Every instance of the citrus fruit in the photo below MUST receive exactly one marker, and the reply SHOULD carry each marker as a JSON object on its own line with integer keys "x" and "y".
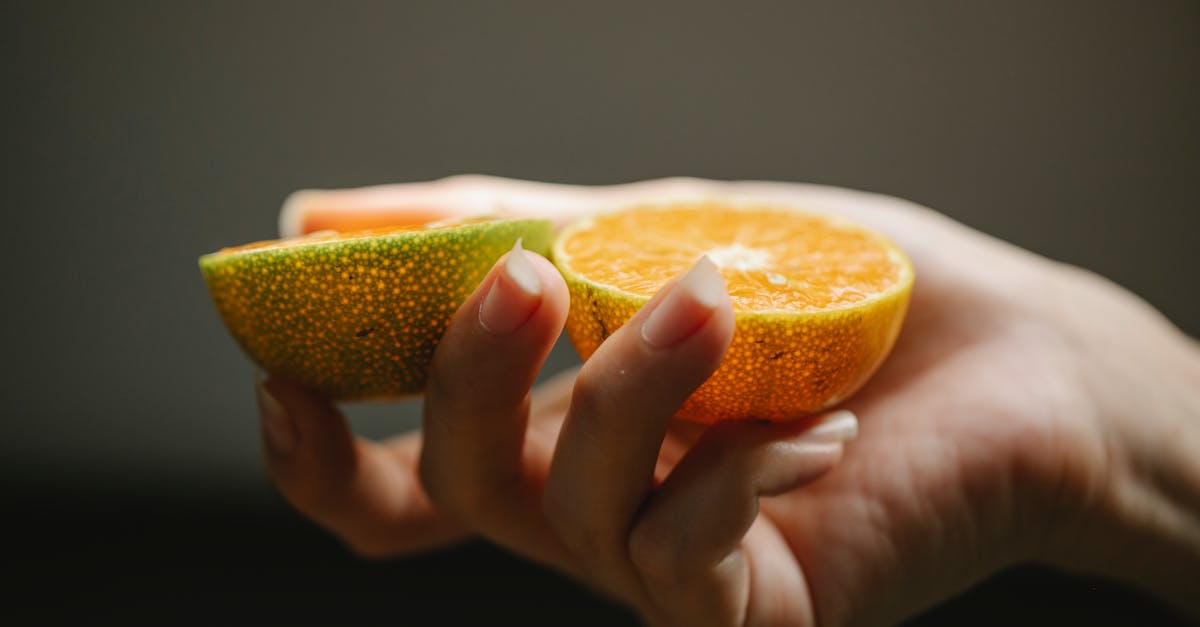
{"x": 818, "y": 301}
{"x": 357, "y": 315}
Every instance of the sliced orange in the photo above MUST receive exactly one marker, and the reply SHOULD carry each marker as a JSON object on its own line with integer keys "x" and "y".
{"x": 357, "y": 315}
{"x": 818, "y": 301}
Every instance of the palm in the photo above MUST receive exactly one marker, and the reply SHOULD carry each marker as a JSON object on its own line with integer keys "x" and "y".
{"x": 965, "y": 434}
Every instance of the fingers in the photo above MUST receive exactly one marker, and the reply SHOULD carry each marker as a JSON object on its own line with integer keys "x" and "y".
{"x": 354, "y": 488}
{"x": 686, "y": 545}
{"x": 623, "y": 399}
{"x": 477, "y": 400}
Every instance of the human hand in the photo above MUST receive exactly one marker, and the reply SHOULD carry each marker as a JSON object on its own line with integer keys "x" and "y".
{"x": 1005, "y": 427}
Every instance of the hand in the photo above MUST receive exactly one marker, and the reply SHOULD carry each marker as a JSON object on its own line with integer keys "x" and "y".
{"x": 1029, "y": 411}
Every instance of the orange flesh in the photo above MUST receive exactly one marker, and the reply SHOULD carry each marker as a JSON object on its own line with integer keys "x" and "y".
{"x": 770, "y": 259}
{"x": 818, "y": 301}
{"x": 353, "y": 219}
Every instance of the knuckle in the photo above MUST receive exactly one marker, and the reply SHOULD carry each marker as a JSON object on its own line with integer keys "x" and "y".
{"x": 655, "y": 554}
{"x": 588, "y": 395}
{"x": 469, "y": 499}
{"x": 452, "y": 390}
{"x": 433, "y": 482}
{"x": 468, "y": 180}
{"x": 682, "y": 182}
{"x": 479, "y": 504}
{"x": 681, "y": 185}
{"x": 554, "y": 509}
{"x": 581, "y": 538}
{"x": 439, "y": 384}
{"x": 454, "y": 348}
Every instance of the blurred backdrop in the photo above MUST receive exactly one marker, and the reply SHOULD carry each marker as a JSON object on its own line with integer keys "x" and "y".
{"x": 141, "y": 135}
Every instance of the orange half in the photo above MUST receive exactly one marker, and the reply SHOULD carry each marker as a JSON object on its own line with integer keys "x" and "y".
{"x": 357, "y": 315}
{"x": 818, "y": 301}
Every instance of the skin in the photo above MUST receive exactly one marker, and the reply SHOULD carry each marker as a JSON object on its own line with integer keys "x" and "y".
{"x": 1030, "y": 411}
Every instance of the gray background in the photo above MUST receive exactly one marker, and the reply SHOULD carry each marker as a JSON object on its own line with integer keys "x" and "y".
{"x": 141, "y": 135}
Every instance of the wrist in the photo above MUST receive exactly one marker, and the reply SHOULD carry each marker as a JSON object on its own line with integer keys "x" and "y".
{"x": 1141, "y": 524}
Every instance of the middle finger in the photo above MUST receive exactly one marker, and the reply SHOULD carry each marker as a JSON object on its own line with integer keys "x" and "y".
{"x": 473, "y": 464}
{"x": 624, "y": 397}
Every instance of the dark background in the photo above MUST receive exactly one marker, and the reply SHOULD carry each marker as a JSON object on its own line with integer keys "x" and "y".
{"x": 138, "y": 136}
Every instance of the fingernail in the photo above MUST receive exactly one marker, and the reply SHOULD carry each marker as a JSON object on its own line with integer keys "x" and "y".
{"x": 514, "y": 295}
{"x": 278, "y": 428}
{"x": 835, "y": 426}
{"x": 687, "y": 307}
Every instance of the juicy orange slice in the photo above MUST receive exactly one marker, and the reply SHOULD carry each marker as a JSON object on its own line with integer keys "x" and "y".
{"x": 818, "y": 301}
